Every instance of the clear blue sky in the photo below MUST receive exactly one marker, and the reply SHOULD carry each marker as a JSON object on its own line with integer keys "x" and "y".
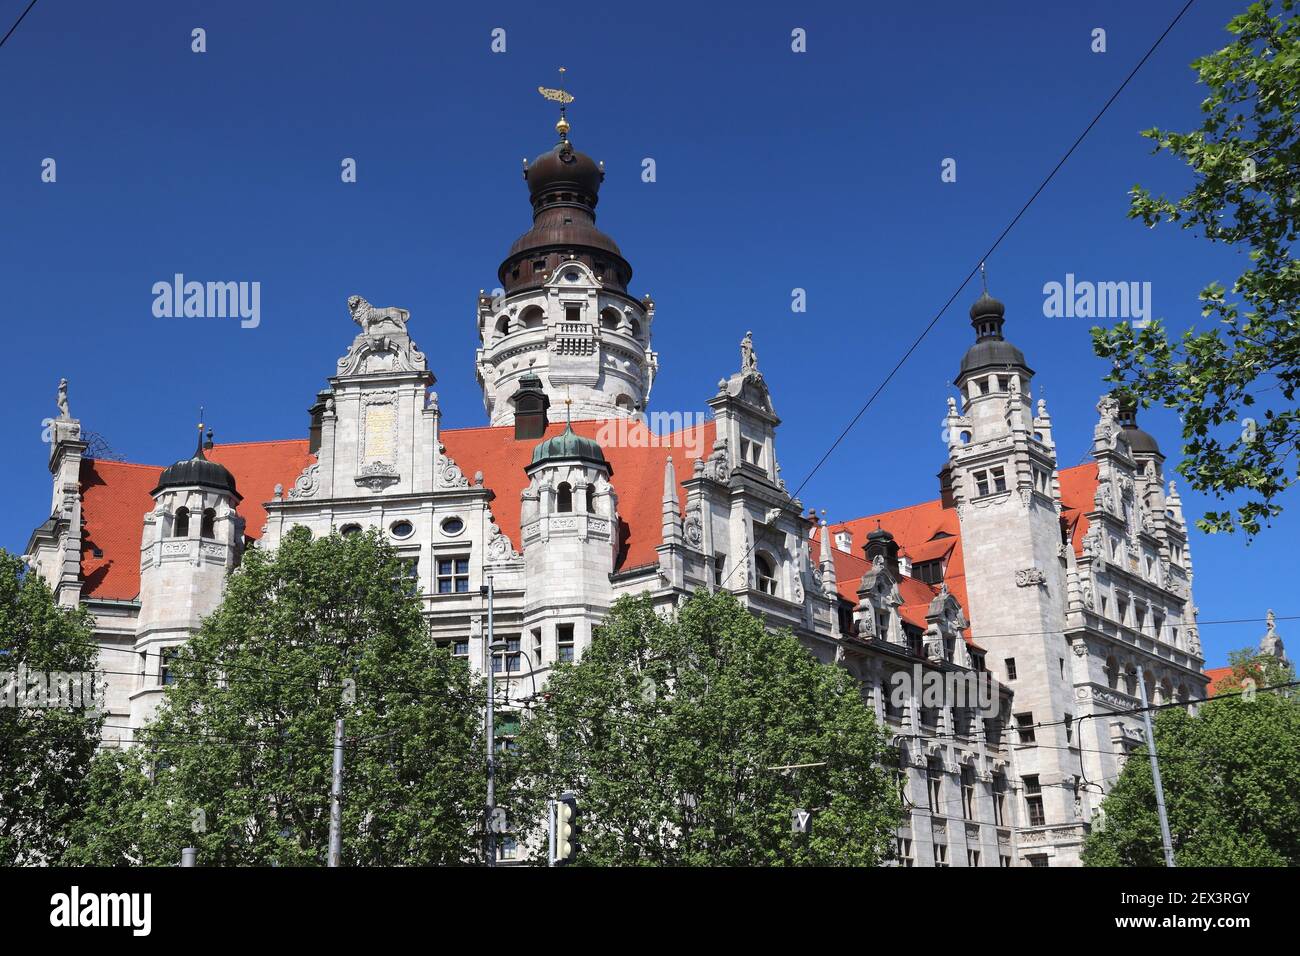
{"x": 775, "y": 171}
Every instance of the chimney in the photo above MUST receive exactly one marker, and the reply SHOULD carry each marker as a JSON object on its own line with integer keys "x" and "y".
{"x": 316, "y": 411}
{"x": 530, "y": 404}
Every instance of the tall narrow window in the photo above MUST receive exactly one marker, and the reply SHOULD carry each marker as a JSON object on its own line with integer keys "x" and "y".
{"x": 181, "y": 523}
{"x": 564, "y": 497}
{"x": 207, "y": 528}
{"x": 999, "y": 480}
{"x": 766, "y": 573}
{"x": 166, "y": 658}
{"x": 1011, "y": 668}
{"x": 934, "y": 785}
{"x": 968, "y": 793}
{"x": 591, "y": 499}
{"x": 999, "y": 800}
{"x": 1034, "y": 801}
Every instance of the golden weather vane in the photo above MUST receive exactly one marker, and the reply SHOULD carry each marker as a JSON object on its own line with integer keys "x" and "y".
{"x": 564, "y": 98}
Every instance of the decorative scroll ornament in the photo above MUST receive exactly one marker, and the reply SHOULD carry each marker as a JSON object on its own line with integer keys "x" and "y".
{"x": 308, "y": 483}
{"x": 449, "y": 473}
{"x": 499, "y": 549}
{"x": 694, "y": 530}
{"x": 1030, "y": 577}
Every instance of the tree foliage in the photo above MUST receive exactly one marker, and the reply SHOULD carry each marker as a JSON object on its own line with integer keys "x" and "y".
{"x": 237, "y": 761}
{"x": 666, "y": 731}
{"x": 1245, "y": 194}
{"x": 1230, "y": 777}
{"x": 45, "y": 751}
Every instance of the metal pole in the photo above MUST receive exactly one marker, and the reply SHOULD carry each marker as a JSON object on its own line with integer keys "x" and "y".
{"x": 189, "y": 856}
{"x": 1155, "y": 773}
{"x": 490, "y": 844}
{"x": 550, "y": 832}
{"x": 336, "y": 799}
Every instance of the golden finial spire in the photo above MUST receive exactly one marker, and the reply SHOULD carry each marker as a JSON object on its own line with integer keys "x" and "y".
{"x": 564, "y": 98}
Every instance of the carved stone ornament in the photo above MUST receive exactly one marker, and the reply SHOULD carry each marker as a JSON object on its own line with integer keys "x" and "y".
{"x": 499, "y": 549}
{"x": 1030, "y": 577}
{"x": 694, "y": 531}
{"x": 449, "y": 473}
{"x": 377, "y": 476}
{"x": 307, "y": 483}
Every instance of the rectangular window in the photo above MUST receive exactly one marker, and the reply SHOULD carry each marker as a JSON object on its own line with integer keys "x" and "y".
{"x": 165, "y": 659}
{"x": 408, "y": 574}
{"x": 940, "y": 854}
{"x": 1025, "y": 727}
{"x": 934, "y": 787}
{"x": 984, "y": 386}
{"x": 719, "y": 569}
{"x": 972, "y": 857}
{"x": 1011, "y": 668}
{"x": 537, "y": 646}
{"x": 458, "y": 647}
{"x": 453, "y": 575}
{"x": 968, "y": 793}
{"x": 999, "y": 800}
{"x": 1034, "y": 801}
{"x": 573, "y": 313}
{"x": 564, "y": 642}
{"x": 931, "y": 572}
{"x": 508, "y": 660}
{"x": 905, "y": 852}
{"x": 981, "y": 483}
{"x": 1038, "y": 859}
{"x": 999, "y": 480}
{"x": 507, "y": 730}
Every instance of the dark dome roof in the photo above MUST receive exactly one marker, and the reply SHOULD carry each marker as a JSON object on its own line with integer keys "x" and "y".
{"x": 569, "y": 445}
{"x": 987, "y": 305}
{"x": 1139, "y": 441}
{"x": 553, "y": 228}
{"x": 987, "y": 353}
{"x": 561, "y": 168}
{"x": 197, "y": 471}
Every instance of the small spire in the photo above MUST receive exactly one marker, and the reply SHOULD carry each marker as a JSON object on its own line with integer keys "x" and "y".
{"x": 198, "y": 449}
{"x": 984, "y": 278}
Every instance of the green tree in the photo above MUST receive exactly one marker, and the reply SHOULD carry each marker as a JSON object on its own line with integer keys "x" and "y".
{"x": 1230, "y": 776}
{"x": 239, "y": 754}
{"x": 45, "y": 746}
{"x": 667, "y": 729}
{"x": 1245, "y": 194}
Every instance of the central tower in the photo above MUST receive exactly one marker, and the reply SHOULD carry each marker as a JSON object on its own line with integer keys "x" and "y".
{"x": 563, "y": 312}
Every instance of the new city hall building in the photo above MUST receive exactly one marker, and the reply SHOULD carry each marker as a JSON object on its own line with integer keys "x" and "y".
{"x": 1064, "y": 584}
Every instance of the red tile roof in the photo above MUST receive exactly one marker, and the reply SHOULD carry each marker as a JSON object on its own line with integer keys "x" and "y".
{"x": 115, "y": 498}
{"x": 928, "y": 531}
{"x": 1219, "y": 679}
{"x": 637, "y": 459}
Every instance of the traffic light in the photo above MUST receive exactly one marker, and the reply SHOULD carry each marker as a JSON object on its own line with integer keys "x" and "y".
{"x": 566, "y": 829}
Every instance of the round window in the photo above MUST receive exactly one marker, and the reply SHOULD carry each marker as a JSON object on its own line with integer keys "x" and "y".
{"x": 571, "y": 277}
{"x": 452, "y": 526}
{"x": 402, "y": 529}
{"x": 348, "y": 530}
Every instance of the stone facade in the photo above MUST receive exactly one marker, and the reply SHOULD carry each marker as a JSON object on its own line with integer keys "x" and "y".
{"x": 1070, "y": 585}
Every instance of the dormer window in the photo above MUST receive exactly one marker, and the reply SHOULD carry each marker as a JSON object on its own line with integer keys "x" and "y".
{"x": 181, "y": 523}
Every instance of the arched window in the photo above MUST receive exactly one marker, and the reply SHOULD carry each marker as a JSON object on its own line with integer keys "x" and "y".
{"x": 208, "y": 527}
{"x": 634, "y": 327}
{"x": 564, "y": 497}
{"x": 610, "y": 319}
{"x": 591, "y": 499}
{"x": 531, "y": 317}
{"x": 503, "y": 325}
{"x": 181, "y": 523}
{"x": 624, "y": 401}
{"x": 766, "y": 571}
